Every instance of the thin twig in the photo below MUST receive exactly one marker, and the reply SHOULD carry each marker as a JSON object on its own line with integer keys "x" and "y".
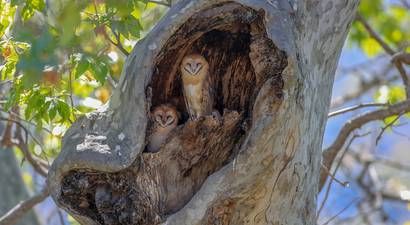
{"x": 26, "y": 121}
{"x": 398, "y": 60}
{"x": 112, "y": 81}
{"x": 16, "y": 213}
{"x": 167, "y": 4}
{"x": 352, "y": 108}
{"x": 375, "y": 35}
{"x": 365, "y": 86}
{"x": 385, "y": 128}
{"x": 18, "y": 123}
{"x": 70, "y": 87}
{"x": 395, "y": 54}
{"x": 34, "y": 162}
{"x": 341, "y": 211}
{"x": 106, "y": 36}
{"x": 330, "y": 153}
{"x": 20, "y": 142}
{"x": 329, "y": 185}
{"x": 343, "y": 184}
{"x": 118, "y": 44}
{"x": 60, "y": 216}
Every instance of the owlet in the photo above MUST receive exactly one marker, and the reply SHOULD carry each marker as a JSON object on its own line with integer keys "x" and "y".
{"x": 164, "y": 119}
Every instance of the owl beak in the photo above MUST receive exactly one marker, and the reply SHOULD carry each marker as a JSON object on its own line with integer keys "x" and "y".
{"x": 163, "y": 124}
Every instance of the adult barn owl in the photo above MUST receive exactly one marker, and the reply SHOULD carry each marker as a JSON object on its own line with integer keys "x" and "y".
{"x": 197, "y": 86}
{"x": 164, "y": 119}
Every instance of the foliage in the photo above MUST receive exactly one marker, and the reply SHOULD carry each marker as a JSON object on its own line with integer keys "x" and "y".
{"x": 60, "y": 59}
{"x": 392, "y": 21}
{"x": 58, "y": 55}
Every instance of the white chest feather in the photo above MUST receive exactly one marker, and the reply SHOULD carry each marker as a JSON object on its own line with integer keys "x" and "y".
{"x": 193, "y": 90}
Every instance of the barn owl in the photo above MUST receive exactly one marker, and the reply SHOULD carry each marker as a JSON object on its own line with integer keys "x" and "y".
{"x": 164, "y": 119}
{"x": 197, "y": 86}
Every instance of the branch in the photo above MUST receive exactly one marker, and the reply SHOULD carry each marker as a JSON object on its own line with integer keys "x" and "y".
{"x": 167, "y": 4}
{"x": 365, "y": 86}
{"x": 331, "y": 152}
{"x": 375, "y": 35}
{"x": 341, "y": 211}
{"x": 37, "y": 166}
{"x": 118, "y": 43}
{"x": 19, "y": 142}
{"x": 16, "y": 213}
{"x": 398, "y": 60}
{"x": 352, "y": 108}
{"x": 334, "y": 174}
{"x": 385, "y": 128}
{"x": 106, "y": 36}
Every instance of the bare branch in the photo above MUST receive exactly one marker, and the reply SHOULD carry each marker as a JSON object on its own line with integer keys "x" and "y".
{"x": 118, "y": 43}
{"x": 341, "y": 211}
{"x": 34, "y": 162}
{"x": 16, "y": 213}
{"x": 374, "y": 159}
{"x": 331, "y": 152}
{"x": 352, "y": 108}
{"x": 167, "y": 4}
{"x": 20, "y": 142}
{"x": 398, "y": 60}
{"x": 342, "y": 183}
{"x": 375, "y": 35}
{"x": 106, "y": 36}
{"x": 334, "y": 173}
{"x": 365, "y": 86}
{"x": 26, "y": 121}
{"x": 385, "y": 128}
{"x": 402, "y": 57}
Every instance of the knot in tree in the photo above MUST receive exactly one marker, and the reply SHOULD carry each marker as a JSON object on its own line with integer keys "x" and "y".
{"x": 245, "y": 161}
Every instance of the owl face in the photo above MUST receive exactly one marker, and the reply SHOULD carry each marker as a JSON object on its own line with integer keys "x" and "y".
{"x": 165, "y": 116}
{"x": 194, "y": 64}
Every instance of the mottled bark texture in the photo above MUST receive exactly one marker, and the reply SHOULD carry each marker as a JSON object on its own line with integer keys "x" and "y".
{"x": 272, "y": 66}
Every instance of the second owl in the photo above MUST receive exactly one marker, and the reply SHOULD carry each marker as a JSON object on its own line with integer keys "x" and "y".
{"x": 197, "y": 86}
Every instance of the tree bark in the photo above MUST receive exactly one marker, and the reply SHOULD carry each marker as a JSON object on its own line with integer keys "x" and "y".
{"x": 273, "y": 63}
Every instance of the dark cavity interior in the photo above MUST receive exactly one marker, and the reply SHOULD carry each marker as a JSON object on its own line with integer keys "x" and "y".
{"x": 225, "y": 43}
{"x": 242, "y": 58}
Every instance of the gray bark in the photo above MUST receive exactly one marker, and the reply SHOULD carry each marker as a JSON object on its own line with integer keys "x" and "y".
{"x": 274, "y": 177}
{"x": 12, "y": 188}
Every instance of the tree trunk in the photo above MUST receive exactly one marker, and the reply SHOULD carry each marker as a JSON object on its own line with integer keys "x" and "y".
{"x": 12, "y": 188}
{"x": 272, "y": 64}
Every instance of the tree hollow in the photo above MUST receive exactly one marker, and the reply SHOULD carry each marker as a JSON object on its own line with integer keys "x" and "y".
{"x": 242, "y": 58}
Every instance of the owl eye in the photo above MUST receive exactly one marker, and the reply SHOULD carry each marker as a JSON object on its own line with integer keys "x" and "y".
{"x": 170, "y": 120}
{"x": 158, "y": 118}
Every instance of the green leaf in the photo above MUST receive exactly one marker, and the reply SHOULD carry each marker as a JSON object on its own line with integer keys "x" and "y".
{"x": 81, "y": 67}
{"x": 7, "y": 12}
{"x": 397, "y": 94}
{"x": 371, "y": 47}
{"x": 63, "y": 110}
{"x": 100, "y": 71}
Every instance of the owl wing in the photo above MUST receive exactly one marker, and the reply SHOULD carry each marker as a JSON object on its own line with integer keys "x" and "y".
{"x": 207, "y": 96}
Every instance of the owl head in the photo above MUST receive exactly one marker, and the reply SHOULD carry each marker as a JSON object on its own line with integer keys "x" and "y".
{"x": 194, "y": 65}
{"x": 165, "y": 115}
